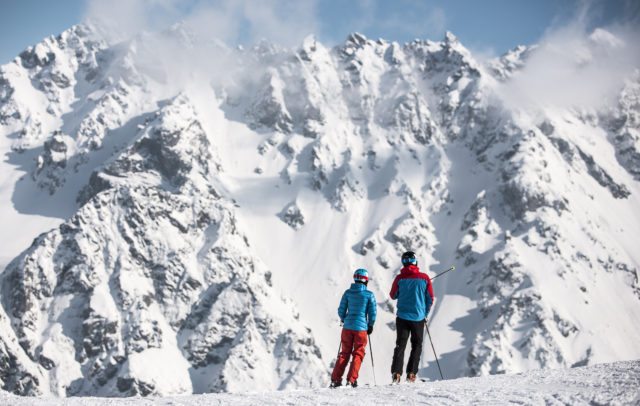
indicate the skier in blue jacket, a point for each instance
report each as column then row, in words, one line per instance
column 357, row 312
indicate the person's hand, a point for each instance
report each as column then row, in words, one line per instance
column 341, row 323
column 370, row 330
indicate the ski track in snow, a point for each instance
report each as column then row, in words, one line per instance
column 612, row 384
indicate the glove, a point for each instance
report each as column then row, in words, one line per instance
column 370, row 330
column 341, row 323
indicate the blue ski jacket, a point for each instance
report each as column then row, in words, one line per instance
column 357, row 308
column 414, row 293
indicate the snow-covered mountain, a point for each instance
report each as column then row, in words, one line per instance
column 210, row 204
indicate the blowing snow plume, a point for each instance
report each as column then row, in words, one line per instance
column 214, row 216
column 189, row 42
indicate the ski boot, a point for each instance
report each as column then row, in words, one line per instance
column 411, row 377
column 395, row 377
column 335, row 384
column 353, row 384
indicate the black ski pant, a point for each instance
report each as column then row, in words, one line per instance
column 404, row 329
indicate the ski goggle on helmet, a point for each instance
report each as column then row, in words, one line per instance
column 361, row 275
column 409, row 258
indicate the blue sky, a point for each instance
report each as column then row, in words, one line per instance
column 490, row 26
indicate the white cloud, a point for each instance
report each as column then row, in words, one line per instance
column 575, row 66
column 123, row 19
column 209, row 25
column 282, row 21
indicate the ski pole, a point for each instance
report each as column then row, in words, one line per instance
column 372, row 365
column 453, row 268
column 433, row 348
column 339, row 344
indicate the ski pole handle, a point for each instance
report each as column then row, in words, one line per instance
column 453, row 268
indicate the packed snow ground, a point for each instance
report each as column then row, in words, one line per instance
column 613, row 384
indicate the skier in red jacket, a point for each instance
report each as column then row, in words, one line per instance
column 414, row 293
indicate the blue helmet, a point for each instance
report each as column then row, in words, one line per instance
column 361, row 275
column 409, row 258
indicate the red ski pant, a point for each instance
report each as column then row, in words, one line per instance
column 352, row 343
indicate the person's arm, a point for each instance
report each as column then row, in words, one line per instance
column 430, row 288
column 428, row 296
column 394, row 289
column 342, row 309
column 372, row 311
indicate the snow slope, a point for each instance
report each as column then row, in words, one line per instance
column 610, row 384
column 210, row 204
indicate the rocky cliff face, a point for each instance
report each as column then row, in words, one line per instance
column 153, row 270
column 198, row 206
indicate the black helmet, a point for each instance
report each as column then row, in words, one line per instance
column 409, row 258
